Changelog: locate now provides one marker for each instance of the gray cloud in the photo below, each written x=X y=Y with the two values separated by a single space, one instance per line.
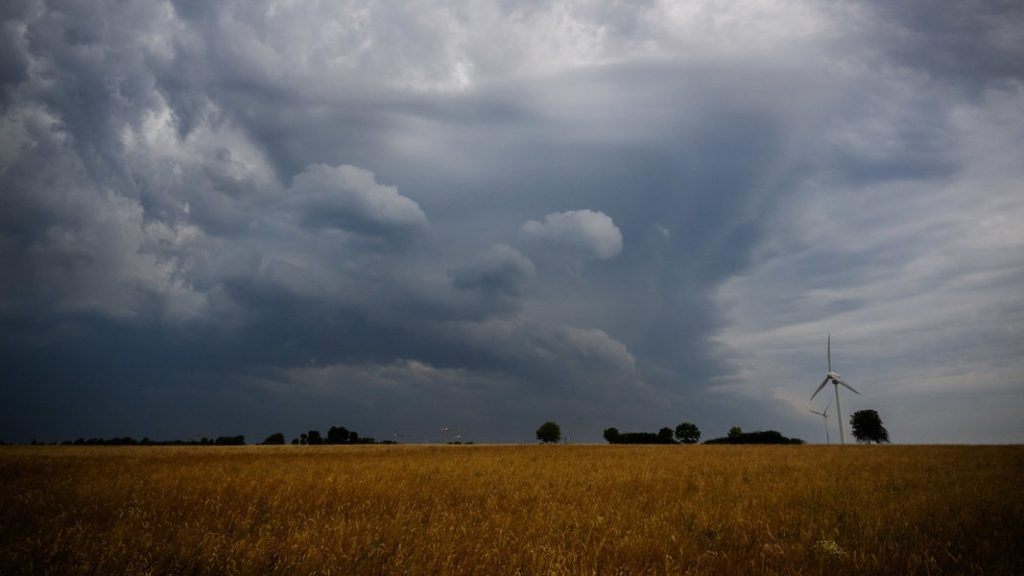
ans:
x=349 y=198
x=215 y=222
x=498 y=276
x=584 y=232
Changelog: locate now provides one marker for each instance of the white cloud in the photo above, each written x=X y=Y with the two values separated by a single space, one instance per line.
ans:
x=440 y=48
x=350 y=198
x=581 y=232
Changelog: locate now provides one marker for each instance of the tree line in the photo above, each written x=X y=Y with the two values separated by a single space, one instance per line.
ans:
x=867 y=428
x=866 y=424
x=129 y=441
x=335 y=435
x=689 y=433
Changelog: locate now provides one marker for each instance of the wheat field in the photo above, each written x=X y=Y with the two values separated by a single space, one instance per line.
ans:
x=495 y=510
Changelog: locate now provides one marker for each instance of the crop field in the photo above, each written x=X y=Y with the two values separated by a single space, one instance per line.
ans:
x=493 y=510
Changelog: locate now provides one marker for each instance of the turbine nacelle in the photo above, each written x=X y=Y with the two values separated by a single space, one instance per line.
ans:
x=837 y=380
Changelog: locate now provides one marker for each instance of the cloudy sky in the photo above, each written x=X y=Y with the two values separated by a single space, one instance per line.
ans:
x=243 y=217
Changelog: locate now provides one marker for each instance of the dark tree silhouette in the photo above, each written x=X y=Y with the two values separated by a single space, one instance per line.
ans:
x=549 y=432
x=276 y=438
x=688 y=433
x=759 y=437
x=868 y=428
x=313 y=438
x=337 y=435
x=663 y=436
x=735 y=432
x=230 y=441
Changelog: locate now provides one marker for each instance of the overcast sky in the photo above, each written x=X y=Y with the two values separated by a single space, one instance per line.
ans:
x=248 y=217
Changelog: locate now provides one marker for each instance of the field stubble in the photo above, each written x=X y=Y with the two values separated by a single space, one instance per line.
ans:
x=512 y=510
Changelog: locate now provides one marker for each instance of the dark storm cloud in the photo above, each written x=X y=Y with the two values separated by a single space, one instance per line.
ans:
x=498 y=277
x=487 y=214
x=970 y=43
x=13 y=63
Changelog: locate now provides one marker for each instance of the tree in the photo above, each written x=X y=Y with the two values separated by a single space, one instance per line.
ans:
x=313 y=438
x=868 y=428
x=735 y=432
x=337 y=435
x=230 y=441
x=665 y=436
x=549 y=432
x=612 y=435
x=688 y=433
x=276 y=438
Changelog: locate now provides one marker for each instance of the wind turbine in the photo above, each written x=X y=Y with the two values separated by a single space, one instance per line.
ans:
x=836 y=380
x=824 y=415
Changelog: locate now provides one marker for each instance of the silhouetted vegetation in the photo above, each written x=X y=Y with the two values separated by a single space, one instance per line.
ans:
x=313 y=438
x=549 y=433
x=688 y=433
x=339 y=435
x=737 y=436
x=613 y=436
x=274 y=439
x=129 y=441
x=342 y=435
x=336 y=435
x=230 y=441
x=868 y=428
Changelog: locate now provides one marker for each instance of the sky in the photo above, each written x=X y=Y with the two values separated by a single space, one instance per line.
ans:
x=440 y=220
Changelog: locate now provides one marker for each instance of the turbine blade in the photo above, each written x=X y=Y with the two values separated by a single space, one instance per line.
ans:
x=825 y=414
x=823 y=382
x=850 y=387
x=829 y=351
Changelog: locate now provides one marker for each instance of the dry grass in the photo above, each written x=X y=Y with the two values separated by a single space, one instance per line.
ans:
x=512 y=510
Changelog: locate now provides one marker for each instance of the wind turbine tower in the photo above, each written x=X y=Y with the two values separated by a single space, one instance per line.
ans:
x=824 y=416
x=836 y=380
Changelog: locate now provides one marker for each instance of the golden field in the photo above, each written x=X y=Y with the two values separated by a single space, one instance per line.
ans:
x=492 y=510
